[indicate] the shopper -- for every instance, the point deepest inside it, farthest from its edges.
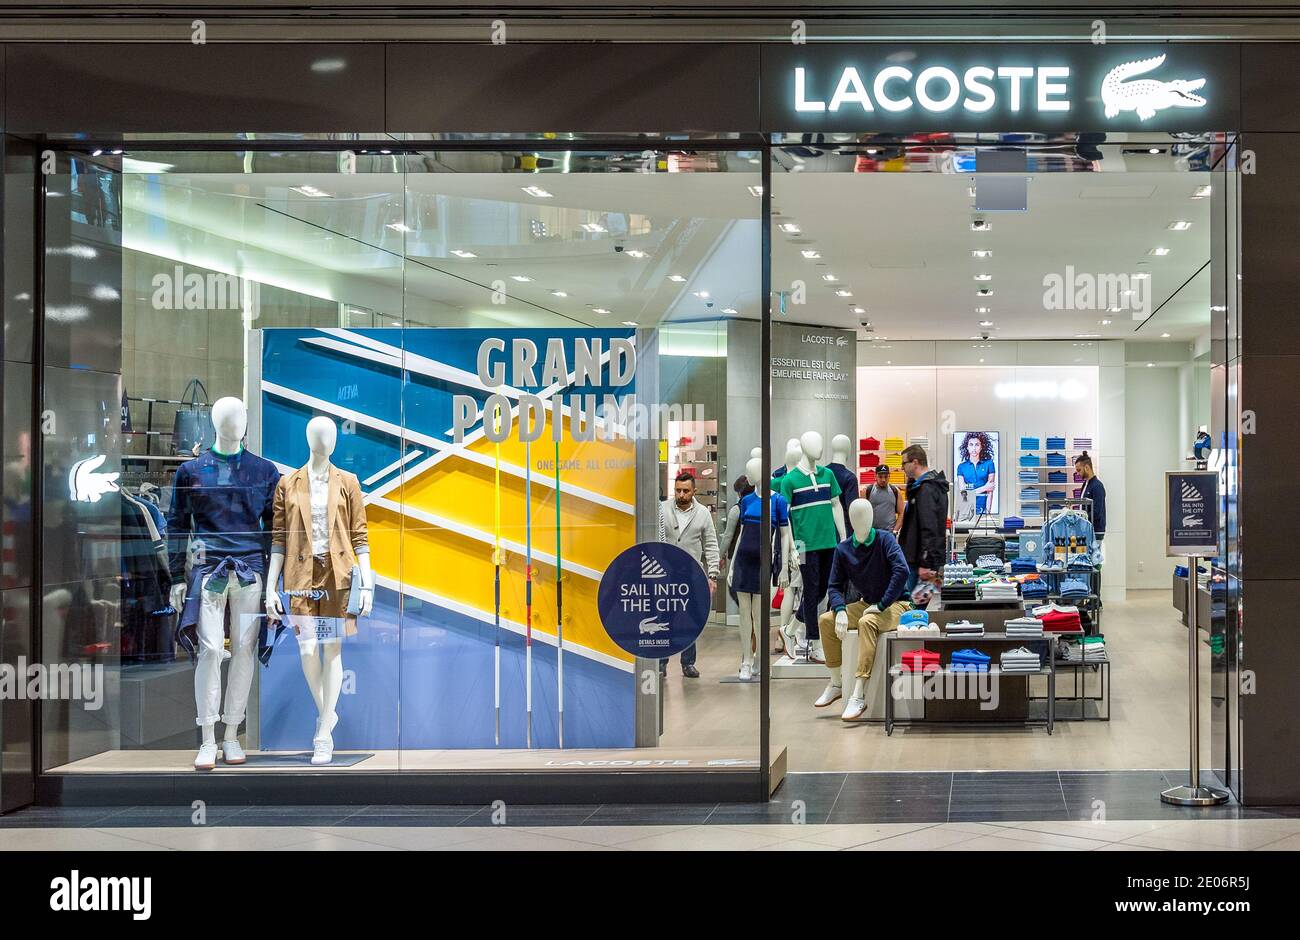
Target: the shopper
(1093, 490)
(689, 525)
(924, 530)
(886, 501)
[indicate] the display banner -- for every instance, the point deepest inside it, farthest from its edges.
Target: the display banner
(1191, 513)
(654, 600)
(1084, 86)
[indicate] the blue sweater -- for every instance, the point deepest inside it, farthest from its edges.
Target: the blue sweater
(226, 501)
(1094, 491)
(878, 571)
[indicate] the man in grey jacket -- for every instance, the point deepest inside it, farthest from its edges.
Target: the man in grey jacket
(689, 525)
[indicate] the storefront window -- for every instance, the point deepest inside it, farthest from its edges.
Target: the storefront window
(428, 399)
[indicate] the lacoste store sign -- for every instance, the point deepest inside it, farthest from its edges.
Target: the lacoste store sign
(996, 87)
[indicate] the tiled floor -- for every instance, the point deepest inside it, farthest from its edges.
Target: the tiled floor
(1027, 811)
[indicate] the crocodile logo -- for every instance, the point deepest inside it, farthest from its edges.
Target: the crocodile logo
(1146, 96)
(651, 625)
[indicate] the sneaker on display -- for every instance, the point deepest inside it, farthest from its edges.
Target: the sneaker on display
(207, 757)
(832, 693)
(790, 641)
(854, 710)
(232, 753)
(746, 672)
(815, 654)
(322, 750)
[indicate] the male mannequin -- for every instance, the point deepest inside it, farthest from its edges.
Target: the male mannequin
(839, 465)
(872, 562)
(322, 612)
(817, 526)
(792, 455)
(791, 634)
(223, 500)
(745, 563)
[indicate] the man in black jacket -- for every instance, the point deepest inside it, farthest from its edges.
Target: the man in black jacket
(924, 533)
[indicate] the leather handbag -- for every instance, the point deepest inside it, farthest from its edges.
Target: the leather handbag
(192, 431)
(977, 546)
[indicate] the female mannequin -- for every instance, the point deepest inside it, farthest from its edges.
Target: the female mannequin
(744, 566)
(320, 545)
(790, 636)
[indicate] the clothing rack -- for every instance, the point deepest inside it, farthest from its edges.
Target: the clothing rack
(149, 433)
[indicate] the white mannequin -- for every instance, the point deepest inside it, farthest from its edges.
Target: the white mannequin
(840, 446)
(324, 673)
(861, 517)
(751, 605)
(790, 561)
(810, 446)
(756, 452)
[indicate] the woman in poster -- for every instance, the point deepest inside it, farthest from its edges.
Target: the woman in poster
(977, 473)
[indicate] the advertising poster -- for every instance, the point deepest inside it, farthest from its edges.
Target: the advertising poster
(975, 457)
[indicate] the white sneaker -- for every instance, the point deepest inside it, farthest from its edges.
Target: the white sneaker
(322, 750)
(815, 654)
(232, 753)
(746, 672)
(854, 710)
(207, 757)
(790, 641)
(832, 693)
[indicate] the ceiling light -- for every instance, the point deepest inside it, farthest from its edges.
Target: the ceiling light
(593, 227)
(859, 310)
(1140, 276)
(310, 191)
(1218, 308)
(1158, 252)
(399, 227)
(1200, 192)
(559, 293)
(790, 228)
(599, 310)
(1179, 225)
(1164, 335)
(980, 225)
(984, 292)
(730, 310)
(105, 292)
(755, 190)
(629, 323)
(1154, 150)
(676, 277)
(986, 323)
(1114, 309)
(702, 294)
(635, 253)
(536, 191)
(983, 309)
(811, 253)
(1087, 335)
(829, 277)
(1105, 322)
(521, 278)
(983, 277)
(462, 253)
(981, 253)
(1150, 364)
(843, 293)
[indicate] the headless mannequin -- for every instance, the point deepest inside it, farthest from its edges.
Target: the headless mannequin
(840, 445)
(790, 560)
(230, 421)
(861, 517)
(324, 670)
(751, 605)
(810, 448)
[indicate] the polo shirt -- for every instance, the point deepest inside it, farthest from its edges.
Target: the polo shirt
(811, 516)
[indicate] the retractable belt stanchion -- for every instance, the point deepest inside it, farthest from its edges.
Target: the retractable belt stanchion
(1193, 794)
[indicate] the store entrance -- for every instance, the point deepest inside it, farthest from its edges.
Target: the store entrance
(1017, 331)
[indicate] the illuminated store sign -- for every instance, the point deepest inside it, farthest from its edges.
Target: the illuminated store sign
(939, 88)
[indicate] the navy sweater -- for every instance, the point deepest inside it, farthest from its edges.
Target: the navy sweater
(1094, 491)
(878, 571)
(227, 503)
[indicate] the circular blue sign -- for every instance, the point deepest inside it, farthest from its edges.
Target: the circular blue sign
(654, 600)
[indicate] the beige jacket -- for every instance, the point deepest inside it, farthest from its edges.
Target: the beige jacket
(291, 532)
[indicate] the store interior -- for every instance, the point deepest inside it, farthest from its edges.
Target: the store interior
(951, 324)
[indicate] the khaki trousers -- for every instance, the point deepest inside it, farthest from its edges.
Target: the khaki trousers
(869, 627)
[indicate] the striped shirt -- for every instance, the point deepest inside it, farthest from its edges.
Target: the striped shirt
(810, 502)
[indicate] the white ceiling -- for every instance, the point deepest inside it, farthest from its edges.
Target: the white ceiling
(900, 241)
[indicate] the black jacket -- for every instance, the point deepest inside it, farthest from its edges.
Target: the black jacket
(924, 533)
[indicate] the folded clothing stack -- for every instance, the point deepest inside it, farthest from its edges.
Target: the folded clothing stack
(1029, 443)
(1057, 476)
(919, 661)
(989, 562)
(868, 443)
(1055, 494)
(1013, 522)
(1020, 660)
(1023, 566)
(1032, 510)
(958, 591)
(958, 571)
(1028, 476)
(1082, 443)
(1035, 590)
(999, 590)
(969, 661)
(894, 444)
(963, 628)
(1056, 459)
(1058, 618)
(1056, 443)
(1073, 590)
(1030, 460)
(1088, 649)
(1024, 628)
(1030, 493)
(1080, 561)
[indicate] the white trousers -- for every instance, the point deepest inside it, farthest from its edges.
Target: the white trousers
(245, 603)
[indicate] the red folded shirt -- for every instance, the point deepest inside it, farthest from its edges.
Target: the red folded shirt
(868, 443)
(919, 660)
(869, 460)
(1061, 621)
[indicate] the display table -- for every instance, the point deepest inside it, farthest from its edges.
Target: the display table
(966, 710)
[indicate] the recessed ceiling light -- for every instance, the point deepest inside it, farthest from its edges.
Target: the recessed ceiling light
(1154, 150)
(1140, 276)
(702, 294)
(790, 228)
(755, 190)
(859, 310)
(599, 310)
(984, 292)
(1105, 322)
(983, 277)
(635, 253)
(1179, 225)
(730, 310)
(981, 252)
(1218, 308)
(1164, 335)
(593, 227)
(536, 191)
(829, 277)
(986, 323)
(980, 225)
(676, 277)
(1200, 192)
(1087, 335)
(312, 191)
(629, 323)
(983, 309)
(811, 253)
(559, 293)
(462, 253)
(1150, 364)
(521, 278)
(399, 227)
(843, 293)
(1158, 252)
(1114, 309)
